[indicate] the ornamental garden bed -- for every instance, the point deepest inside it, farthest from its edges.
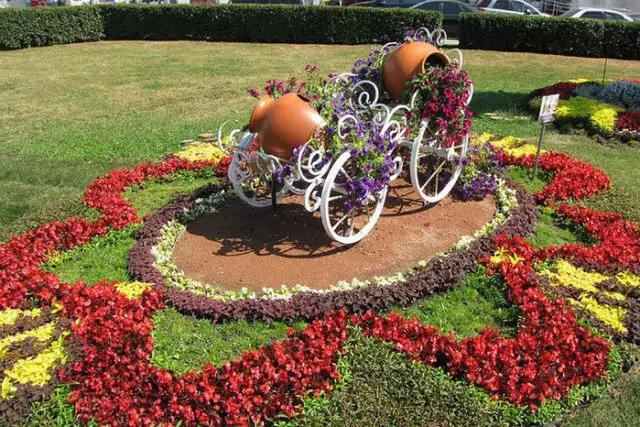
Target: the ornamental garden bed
(609, 109)
(315, 358)
(530, 316)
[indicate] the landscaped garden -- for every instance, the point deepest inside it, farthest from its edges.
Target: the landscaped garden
(116, 212)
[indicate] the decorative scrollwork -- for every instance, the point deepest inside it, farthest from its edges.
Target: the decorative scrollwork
(459, 57)
(396, 128)
(313, 195)
(310, 165)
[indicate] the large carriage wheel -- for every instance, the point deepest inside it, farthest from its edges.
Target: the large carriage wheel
(253, 186)
(434, 168)
(342, 224)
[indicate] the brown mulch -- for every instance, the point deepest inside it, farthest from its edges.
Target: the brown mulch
(240, 246)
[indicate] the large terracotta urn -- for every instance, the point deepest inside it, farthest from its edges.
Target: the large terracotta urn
(401, 65)
(284, 124)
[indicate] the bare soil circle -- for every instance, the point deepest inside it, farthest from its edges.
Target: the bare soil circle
(240, 246)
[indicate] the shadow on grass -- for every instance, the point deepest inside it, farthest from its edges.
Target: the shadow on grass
(489, 102)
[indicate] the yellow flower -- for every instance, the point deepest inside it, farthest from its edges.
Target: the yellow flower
(201, 151)
(628, 278)
(482, 138)
(567, 275)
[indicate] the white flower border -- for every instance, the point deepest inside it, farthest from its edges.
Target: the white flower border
(175, 278)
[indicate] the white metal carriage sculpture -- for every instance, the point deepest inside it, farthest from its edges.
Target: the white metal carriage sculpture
(332, 182)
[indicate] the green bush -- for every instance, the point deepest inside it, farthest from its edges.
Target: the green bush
(264, 23)
(621, 40)
(20, 28)
(558, 36)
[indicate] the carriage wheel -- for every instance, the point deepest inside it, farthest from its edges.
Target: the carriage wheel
(434, 169)
(343, 225)
(253, 187)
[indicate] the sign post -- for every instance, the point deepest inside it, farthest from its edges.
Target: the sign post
(546, 115)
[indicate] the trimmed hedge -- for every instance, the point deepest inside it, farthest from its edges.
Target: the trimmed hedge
(558, 36)
(20, 28)
(621, 39)
(264, 23)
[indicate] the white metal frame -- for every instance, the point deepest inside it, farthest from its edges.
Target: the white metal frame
(318, 181)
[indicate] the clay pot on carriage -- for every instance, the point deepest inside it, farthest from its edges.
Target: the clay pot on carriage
(327, 182)
(284, 124)
(407, 61)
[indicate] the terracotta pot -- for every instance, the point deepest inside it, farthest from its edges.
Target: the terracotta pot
(401, 65)
(284, 124)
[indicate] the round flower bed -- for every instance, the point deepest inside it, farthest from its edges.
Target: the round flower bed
(106, 343)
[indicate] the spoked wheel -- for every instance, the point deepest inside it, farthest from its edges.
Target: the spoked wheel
(435, 168)
(252, 185)
(344, 222)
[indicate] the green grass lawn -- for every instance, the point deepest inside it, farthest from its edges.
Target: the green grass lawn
(71, 113)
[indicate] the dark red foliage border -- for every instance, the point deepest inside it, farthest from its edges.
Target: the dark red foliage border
(443, 274)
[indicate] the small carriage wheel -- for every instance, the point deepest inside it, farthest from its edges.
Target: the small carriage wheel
(434, 169)
(253, 186)
(342, 225)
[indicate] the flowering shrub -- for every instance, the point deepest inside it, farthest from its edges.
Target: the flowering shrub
(443, 94)
(309, 88)
(116, 383)
(629, 121)
(479, 178)
(573, 179)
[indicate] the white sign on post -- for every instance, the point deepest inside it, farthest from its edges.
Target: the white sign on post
(548, 108)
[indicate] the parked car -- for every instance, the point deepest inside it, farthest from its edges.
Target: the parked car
(388, 3)
(596, 13)
(512, 7)
(635, 16)
(450, 9)
(12, 3)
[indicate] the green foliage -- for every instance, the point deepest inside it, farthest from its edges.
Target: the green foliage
(554, 230)
(617, 199)
(383, 388)
(53, 411)
(621, 39)
(57, 210)
(264, 23)
(619, 407)
(629, 354)
(20, 28)
(523, 176)
(154, 194)
(105, 258)
(184, 343)
(477, 303)
(554, 36)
